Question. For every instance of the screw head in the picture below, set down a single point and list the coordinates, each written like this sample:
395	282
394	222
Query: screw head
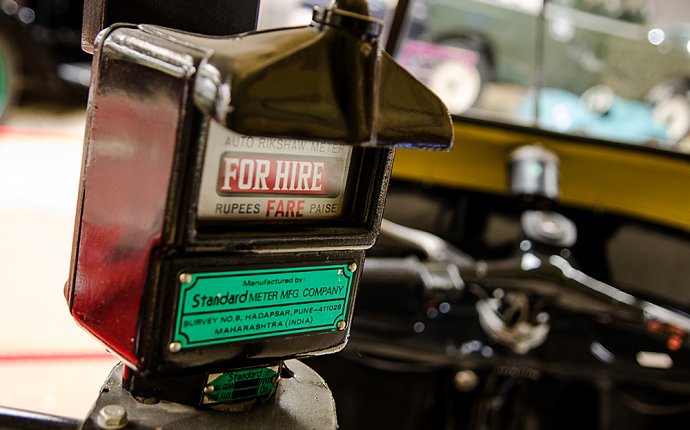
341	325
209	389
352	267
112	417
175	347
185	278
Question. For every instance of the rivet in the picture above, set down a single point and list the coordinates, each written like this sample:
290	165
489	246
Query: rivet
175	347
185	278
352	267
209	389
341	325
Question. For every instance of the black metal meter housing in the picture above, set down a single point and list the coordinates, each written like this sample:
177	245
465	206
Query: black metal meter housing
231	186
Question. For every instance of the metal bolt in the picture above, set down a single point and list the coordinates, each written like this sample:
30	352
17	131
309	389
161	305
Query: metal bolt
175	347
341	325
185	278
466	381
366	49
352	267
112	417
209	389
550	228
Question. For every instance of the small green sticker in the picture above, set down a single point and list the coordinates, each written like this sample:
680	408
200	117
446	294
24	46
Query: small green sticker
240	385
223	307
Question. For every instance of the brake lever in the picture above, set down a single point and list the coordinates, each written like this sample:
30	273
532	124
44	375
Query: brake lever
659	319
433	247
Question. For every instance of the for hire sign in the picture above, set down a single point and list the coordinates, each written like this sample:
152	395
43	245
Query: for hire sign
257	178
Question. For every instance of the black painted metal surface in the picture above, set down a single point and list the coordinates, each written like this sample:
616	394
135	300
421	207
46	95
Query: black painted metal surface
17	419
212	17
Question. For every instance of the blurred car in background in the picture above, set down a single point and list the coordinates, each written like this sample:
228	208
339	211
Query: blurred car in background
452	72
640	49
40	49
600	113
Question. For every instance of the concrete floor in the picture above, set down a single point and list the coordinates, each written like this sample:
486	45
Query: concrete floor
47	363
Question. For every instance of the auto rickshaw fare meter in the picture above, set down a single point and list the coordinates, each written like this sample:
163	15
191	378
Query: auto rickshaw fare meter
229	189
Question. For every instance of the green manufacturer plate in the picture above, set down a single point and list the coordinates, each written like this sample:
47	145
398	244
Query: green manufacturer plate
240	385
223	307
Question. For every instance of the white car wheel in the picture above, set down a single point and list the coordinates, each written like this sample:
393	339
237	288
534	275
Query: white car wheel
674	113
457	83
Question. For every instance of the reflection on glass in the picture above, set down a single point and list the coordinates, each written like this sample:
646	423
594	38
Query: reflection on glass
615	70
477	55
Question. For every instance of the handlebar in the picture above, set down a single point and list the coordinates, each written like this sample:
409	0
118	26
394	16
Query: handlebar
443	273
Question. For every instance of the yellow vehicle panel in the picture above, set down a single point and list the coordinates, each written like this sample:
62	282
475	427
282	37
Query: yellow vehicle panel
640	182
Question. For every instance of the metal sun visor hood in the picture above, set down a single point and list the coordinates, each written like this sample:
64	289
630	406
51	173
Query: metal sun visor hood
329	81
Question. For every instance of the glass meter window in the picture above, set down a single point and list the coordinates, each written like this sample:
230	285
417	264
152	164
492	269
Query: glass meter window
249	178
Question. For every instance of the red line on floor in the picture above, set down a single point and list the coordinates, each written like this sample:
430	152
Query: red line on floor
50	356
